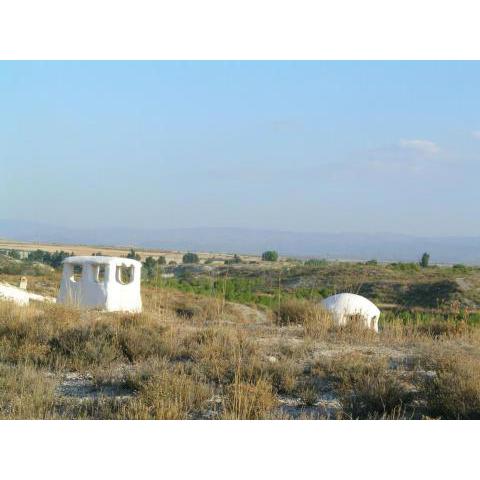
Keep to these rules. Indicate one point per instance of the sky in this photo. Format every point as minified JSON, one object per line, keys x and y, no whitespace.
{"x":299,"y":146}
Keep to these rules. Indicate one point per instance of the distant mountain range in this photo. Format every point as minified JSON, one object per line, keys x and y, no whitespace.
{"x":348,"y":246}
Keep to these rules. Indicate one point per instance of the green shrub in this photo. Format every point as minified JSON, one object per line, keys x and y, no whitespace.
{"x":405,"y":267}
{"x":461,"y":268}
{"x":270,"y":256}
{"x":190,"y":258}
{"x":315,"y":262}
{"x":151,"y":268}
{"x":234,"y":260}
{"x":133,"y":255}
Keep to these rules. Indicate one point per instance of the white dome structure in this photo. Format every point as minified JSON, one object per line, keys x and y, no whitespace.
{"x":107,"y":283}
{"x":345,"y":305}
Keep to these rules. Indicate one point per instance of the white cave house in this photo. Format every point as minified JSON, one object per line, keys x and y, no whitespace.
{"x":106,"y":283}
{"x":344,"y":306}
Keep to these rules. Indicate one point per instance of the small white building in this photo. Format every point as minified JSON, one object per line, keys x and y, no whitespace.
{"x":343,"y":306}
{"x":107,"y":283}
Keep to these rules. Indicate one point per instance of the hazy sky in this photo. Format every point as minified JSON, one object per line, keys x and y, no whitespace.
{"x":315,"y":146}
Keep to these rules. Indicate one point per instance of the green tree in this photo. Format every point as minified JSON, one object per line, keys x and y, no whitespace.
{"x":14,"y":254}
{"x":162,"y":260}
{"x":150,"y":267}
{"x":425,"y":259}
{"x":57,"y":257}
{"x":270,"y":256}
{"x":133,"y":255}
{"x":190,"y":258}
{"x":36,"y":256}
{"x":54,"y":259}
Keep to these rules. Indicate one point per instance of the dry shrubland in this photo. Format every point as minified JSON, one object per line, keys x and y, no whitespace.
{"x":192,"y":357}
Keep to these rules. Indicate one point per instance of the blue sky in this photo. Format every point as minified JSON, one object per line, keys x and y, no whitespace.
{"x":303,"y":146}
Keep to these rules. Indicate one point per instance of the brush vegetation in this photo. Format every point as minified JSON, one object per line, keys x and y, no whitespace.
{"x":192,"y":356}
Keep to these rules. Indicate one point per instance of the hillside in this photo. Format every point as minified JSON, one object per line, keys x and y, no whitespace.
{"x":247,"y":341}
{"x":193,"y":356}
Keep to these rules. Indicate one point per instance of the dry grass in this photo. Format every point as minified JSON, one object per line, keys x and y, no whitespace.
{"x":312,"y":316}
{"x":247,"y":397}
{"x":367,"y":387}
{"x":26,"y":393}
{"x":453,"y":391}
{"x":284,"y":375}
{"x":166,"y":392}
{"x":317,"y":322}
{"x":249,"y":400}
{"x":191,"y":357}
{"x":220,"y":352}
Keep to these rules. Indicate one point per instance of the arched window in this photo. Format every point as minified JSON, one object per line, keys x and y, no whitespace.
{"x":77,"y":272}
{"x":99,"y":273}
{"x":124,"y":274}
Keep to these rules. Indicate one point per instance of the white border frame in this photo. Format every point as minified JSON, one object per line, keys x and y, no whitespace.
{"x":234,"y":29}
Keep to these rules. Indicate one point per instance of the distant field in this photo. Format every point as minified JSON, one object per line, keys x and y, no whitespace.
{"x":117,"y":251}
